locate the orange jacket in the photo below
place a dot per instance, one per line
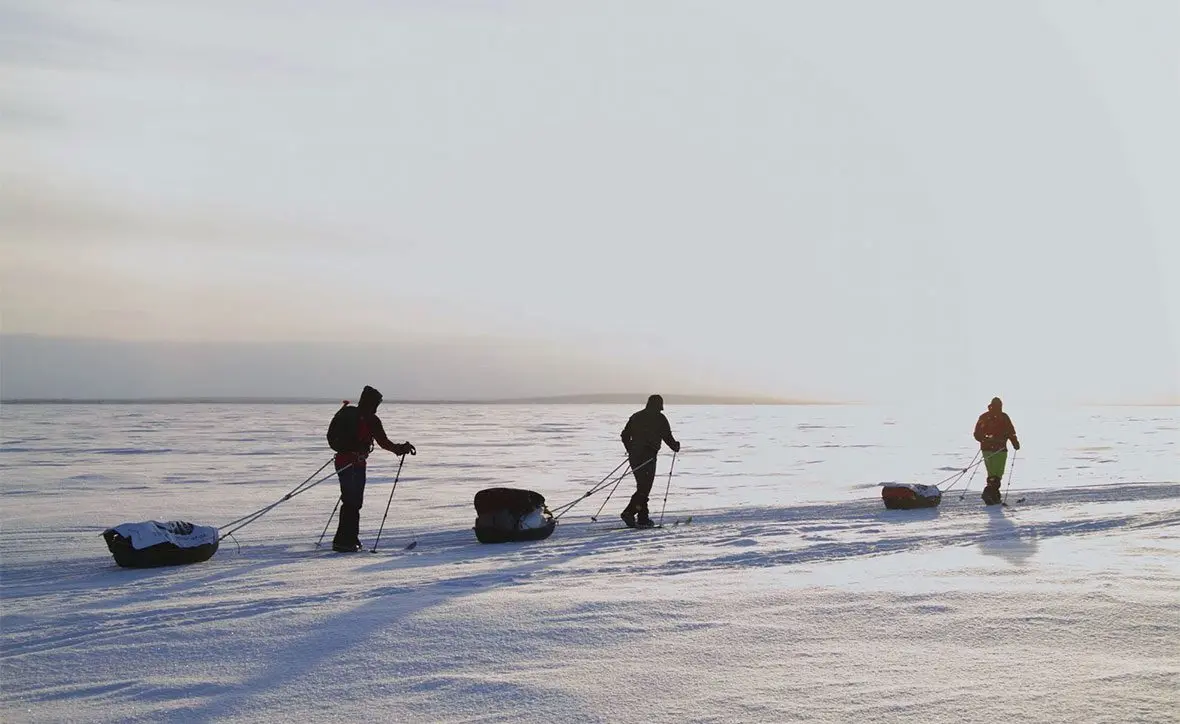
(993, 430)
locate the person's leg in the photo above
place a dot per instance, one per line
(644, 479)
(995, 462)
(352, 494)
(358, 485)
(640, 467)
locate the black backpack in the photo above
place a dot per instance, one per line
(344, 431)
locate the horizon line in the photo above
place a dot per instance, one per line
(574, 399)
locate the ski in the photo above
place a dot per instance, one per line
(675, 523)
(410, 547)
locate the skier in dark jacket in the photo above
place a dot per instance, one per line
(993, 430)
(641, 437)
(351, 434)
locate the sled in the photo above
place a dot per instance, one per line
(509, 515)
(910, 496)
(152, 544)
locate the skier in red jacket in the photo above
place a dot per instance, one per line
(352, 434)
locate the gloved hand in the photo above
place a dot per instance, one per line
(404, 449)
(675, 446)
(1015, 444)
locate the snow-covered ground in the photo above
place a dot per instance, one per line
(793, 595)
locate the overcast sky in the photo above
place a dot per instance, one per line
(847, 200)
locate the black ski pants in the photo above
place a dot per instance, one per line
(645, 476)
(352, 498)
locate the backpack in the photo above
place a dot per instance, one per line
(344, 430)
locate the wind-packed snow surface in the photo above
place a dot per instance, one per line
(792, 595)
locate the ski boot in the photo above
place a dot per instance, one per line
(991, 492)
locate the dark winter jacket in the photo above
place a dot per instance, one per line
(645, 430)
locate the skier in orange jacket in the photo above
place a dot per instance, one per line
(993, 430)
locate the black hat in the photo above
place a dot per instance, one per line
(369, 398)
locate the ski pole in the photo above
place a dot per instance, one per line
(967, 488)
(401, 461)
(1011, 472)
(325, 530)
(594, 518)
(970, 479)
(666, 488)
(958, 476)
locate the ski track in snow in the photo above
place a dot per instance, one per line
(792, 595)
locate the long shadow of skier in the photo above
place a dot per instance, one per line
(350, 631)
(1004, 539)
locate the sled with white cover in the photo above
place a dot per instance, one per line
(908, 496)
(151, 544)
(510, 514)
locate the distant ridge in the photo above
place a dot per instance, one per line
(640, 398)
(588, 399)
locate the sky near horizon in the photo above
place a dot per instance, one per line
(855, 200)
